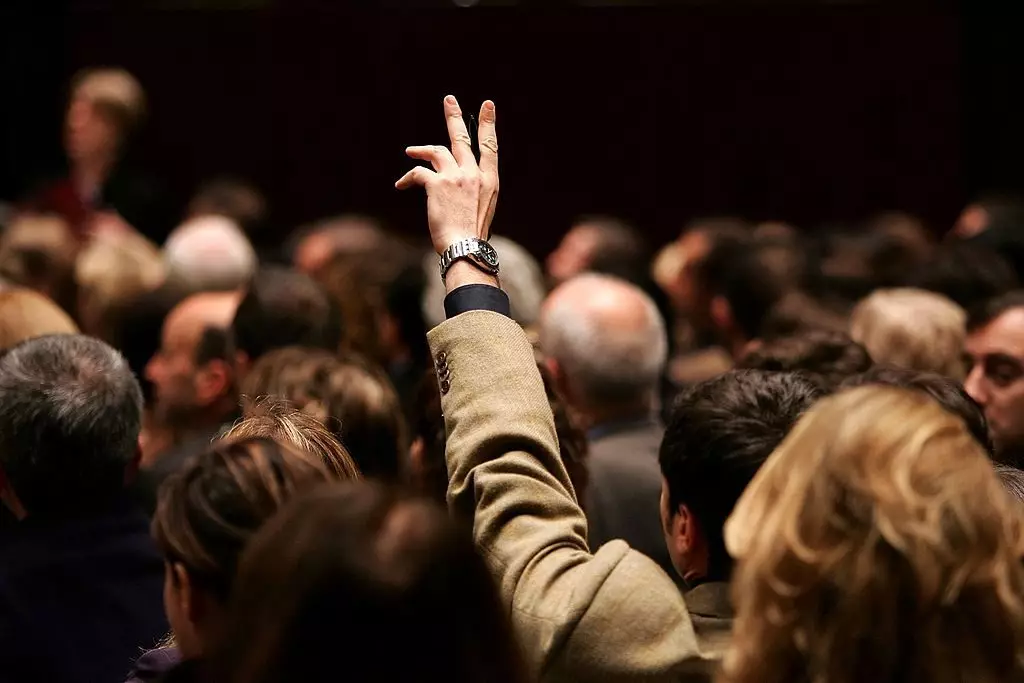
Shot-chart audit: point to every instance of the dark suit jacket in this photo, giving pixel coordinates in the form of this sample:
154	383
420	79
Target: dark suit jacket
623	499
80	599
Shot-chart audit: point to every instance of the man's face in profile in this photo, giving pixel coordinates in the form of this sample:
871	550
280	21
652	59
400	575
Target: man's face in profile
995	361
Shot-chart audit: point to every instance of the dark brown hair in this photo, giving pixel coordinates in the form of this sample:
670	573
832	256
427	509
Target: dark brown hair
207	512
826	357
390	579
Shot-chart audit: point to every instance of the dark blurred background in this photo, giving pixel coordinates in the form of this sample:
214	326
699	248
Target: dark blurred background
812	112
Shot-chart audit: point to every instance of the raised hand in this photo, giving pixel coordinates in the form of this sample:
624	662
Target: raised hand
461	193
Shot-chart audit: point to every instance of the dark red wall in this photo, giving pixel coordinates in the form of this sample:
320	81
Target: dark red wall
811	115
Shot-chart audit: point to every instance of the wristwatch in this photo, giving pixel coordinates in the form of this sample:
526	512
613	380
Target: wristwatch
476	251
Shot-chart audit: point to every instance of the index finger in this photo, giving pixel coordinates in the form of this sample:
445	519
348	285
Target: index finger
462	147
488	137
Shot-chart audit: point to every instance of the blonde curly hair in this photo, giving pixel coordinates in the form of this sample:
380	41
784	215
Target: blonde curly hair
877	544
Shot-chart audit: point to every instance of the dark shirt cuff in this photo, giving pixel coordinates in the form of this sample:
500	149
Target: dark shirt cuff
476	298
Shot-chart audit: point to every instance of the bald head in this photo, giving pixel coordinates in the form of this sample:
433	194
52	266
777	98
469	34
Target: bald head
209	253
607	339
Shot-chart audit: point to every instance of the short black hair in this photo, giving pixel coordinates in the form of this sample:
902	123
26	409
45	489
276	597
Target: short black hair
949	394
967	273
984	313
826	357
70	423
719	434
283	307
752	276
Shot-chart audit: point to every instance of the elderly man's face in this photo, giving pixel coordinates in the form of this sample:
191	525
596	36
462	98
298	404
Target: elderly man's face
995	357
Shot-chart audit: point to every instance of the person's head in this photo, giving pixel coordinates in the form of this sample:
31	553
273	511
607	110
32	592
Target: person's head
1012	479
991	212
105	108
205	515
271	417
877	544
994	352
69	428
826	357
969	274
352	398
352	235
592	243
605	345
688	288
364	565
38	252
913	329
521	278
110	273
25	314
402	326
282	307
719	433
209	254
947	392
233	198
744	280
194	383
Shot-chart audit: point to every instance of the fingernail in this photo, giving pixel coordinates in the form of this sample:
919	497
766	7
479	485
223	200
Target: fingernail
488	105
450	99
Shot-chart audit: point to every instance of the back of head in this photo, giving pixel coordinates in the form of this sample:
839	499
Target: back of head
368	568
967	273
234	198
271	418
352	398
209	253
827	357
912	328
719	434
112	271
799	312
876	543
284	308
947	392
70	423
25	314
311	247
608	340
207	511
751	276
38	252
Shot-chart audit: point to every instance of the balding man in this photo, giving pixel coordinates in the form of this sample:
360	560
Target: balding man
209	254
194	386
606	346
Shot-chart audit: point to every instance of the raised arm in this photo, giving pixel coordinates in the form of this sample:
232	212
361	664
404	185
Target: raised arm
580	617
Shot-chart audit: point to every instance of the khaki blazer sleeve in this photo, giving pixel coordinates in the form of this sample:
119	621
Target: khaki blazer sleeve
610	616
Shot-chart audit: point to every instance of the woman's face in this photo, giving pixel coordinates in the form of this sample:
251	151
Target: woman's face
88	132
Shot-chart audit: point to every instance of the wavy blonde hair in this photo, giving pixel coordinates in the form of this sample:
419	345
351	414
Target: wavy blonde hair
877	544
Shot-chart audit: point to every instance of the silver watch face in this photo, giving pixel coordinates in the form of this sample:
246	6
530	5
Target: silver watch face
488	254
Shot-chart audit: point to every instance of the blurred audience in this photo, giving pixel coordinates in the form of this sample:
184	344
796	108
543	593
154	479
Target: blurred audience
968	274
239	201
80	579
605	345
208	254
316	245
598	243
352	398
39	252
913	329
878	522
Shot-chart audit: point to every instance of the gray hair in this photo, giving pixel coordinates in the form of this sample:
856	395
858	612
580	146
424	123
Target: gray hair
521	277
72	410
609	365
209	254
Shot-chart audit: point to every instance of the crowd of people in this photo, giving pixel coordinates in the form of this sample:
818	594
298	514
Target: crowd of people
753	454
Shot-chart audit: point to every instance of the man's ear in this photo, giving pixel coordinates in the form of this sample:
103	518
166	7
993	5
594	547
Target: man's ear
721	314
10	499
558	377
213	381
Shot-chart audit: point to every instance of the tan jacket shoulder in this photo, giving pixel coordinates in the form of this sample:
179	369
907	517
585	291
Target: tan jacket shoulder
610	616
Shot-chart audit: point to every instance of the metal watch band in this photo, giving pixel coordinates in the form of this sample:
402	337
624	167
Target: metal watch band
471	249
